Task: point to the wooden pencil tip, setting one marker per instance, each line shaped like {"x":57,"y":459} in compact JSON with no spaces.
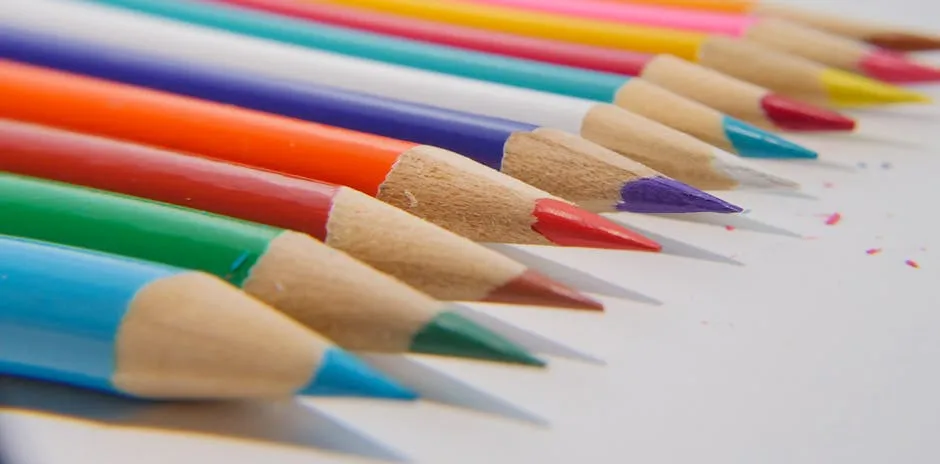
{"x":789,"y":114}
{"x":534,"y":289}
{"x":567,"y":225}
{"x":896,"y":68}
{"x":450,"y":334}
{"x":905,"y":41}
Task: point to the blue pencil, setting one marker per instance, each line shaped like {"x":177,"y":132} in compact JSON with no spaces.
{"x":560,"y":163}
{"x":145,"y":330}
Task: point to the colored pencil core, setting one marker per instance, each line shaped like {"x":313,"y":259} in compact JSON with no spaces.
{"x":752,"y":142}
{"x":847,"y":89}
{"x":343,"y":374}
{"x":664,"y":195}
{"x":533,"y":288}
{"x":904,"y":42}
{"x":450,"y":334}
{"x":894,"y":67}
{"x":567,"y":225}
{"x":790,"y":114}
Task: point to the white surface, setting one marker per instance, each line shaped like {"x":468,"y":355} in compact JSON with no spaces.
{"x":811,"y":351}
{"x":124,"y":28}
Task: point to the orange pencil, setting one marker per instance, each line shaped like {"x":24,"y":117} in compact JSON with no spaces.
{"x":440,"y":186}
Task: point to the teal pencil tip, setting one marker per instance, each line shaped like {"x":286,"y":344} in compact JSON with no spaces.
{"x":753,"y":142}
{"x":342,"y":374}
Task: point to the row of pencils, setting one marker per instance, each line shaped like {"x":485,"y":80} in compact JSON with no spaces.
{"x":219,"y":198}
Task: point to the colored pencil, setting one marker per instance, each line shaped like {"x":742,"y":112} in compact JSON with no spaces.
{"x":429,"y":258}
{"x":440,"y":186}
{"x":881,"y":35}
{"x":606,"y":125}
{"x":783,"y":35}
{"x":323,"y":289}
{"x":793,"y":76}
{"x":563,"y":80}
{"x":738,"y":99}
{"x":140,"y":329}
{"x":558,"y":163}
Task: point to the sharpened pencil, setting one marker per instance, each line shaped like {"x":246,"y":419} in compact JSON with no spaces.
{"x":429,"y":258}
{"x":145,"y":330}
{"x":605,"y":87}
{"x":791,"y":75}
{"x":607,"y":125}
{"x":738,"y":99}
{"x":831,"y":50}
{"x":581,"y":172}
{"x":881,"y":35}
{"x":440,"y":186}
{"x":323,"y":289}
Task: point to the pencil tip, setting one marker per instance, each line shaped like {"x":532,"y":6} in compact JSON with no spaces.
{"x":752,"y":142}
{"x":450,"y":334}
{"x":342,"y":374}
{"x":749,"y":176}
{"x":905,"y":41}
{"x":567,"y":225}
{"x":851,"y":90}
{"x":894,"y":67}
{"x":533,"y":288}
{"x":664,"y":195}
{"x":789,"y":114}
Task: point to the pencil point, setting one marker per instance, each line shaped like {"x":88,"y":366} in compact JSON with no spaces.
{"x":905,"y":42}
{"x":894,"y":67}
{"x":749,"y":176}
{"x":342,"y":374}
{"x":664,"y":195}
{"x":567,"y":225}
{"x":753,"y":142}
{"x":450,"y":334}
{"x":789,"y":114}
{"x":534,"y":289}
{"x":847,"y":89}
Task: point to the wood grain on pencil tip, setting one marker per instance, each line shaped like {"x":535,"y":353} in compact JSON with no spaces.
{"x":579,"y":172}
{"x":324,"y":289}
{"x":562,"y":80}
{"x":738,"y":99}
{"x":443,"y":187}
{"x":778,"y":34}
{"x":875,"y":33}
{"x":791,"y":75}
{"x":429,"y":258}
{"x":146,"y":330}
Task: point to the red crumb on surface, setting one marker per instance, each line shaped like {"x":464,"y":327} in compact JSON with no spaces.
{"x":912,"y":264}
{"x":828,"y":185}
{"x":873,"y":251}
{"x":704,"y":322}
{"x":833,"y":219}
{"x":729,"y":227}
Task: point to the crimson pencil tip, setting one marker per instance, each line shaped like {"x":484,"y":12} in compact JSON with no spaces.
{"x":567,"y":225}
{"x":789,"y":114}
{"x":664,"y":195}
{"x":535,"y":289}
{"x":896,"y":68}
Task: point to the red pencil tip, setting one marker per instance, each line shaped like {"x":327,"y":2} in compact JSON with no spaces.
{"x":567,"y":225}
{"x":789,"y":114}
{"x":896,"y":68}
{"x":905,"y":42}
{"x":535,"y":289}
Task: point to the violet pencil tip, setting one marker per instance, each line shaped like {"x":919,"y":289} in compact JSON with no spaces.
{"x":664,"y":195}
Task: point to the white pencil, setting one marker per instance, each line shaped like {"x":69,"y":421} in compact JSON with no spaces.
{"x":664,"y":149}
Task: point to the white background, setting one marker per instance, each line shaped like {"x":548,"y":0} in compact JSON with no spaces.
{"x":810,"y":351}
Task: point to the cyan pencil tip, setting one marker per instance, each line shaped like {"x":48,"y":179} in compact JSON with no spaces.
{"x":342,"y":374}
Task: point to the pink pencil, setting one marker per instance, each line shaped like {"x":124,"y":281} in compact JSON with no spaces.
{"x":785,"y":36}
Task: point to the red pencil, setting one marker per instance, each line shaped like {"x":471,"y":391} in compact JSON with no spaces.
{"x":737,"y":98}
{"x":438,"y":262}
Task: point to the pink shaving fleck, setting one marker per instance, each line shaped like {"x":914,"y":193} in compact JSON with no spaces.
{"x":833,"y":219}
{"x":828,"y":185}
{"x":729,"y":227}
{"x":873,"y":251}
{"x":912,"y":264}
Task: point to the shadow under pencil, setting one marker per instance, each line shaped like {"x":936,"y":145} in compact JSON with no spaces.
{"x":283,"y":422}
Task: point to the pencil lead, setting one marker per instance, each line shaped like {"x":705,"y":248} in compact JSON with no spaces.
{"x":533,"y":288}
{"x":848,"y":89}
{"x":790,"y":114}
{"x":748,"y":175}
{"x":905,"y":41}
{"x":342,"y":374}
{"x":751,"y":142}
{"x":450,"y":334}
{"x":664,"y":195}
{"x":567,"y":225}
{"x":896,"y":68}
